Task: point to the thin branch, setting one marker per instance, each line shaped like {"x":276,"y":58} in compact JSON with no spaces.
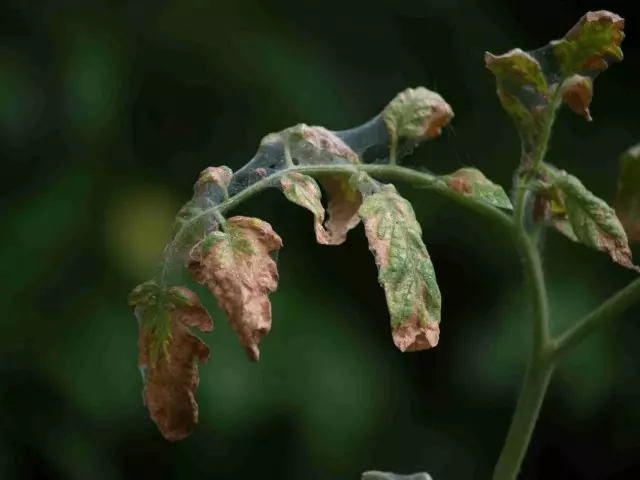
{"x":611,"y":308}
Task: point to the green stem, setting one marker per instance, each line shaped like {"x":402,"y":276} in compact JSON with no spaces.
{"x":393,"y":148}
{"x":611,"y":308}
{"x":534,"y":388}
{"x":540,"y":366}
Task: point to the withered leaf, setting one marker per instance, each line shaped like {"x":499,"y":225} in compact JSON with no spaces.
{"x":313,"y":145}
{"x":627,"y":200}
{"x":591,"y":220}
{"x":591,"y":43}
{"x":577,"y":92}
{"x":405,"y":269}
{"x":471,"y":182}
{"x":344,"y":200}
{"x":168,"y":354}
{"x":237,"y":267}
{"x":304,"y":191}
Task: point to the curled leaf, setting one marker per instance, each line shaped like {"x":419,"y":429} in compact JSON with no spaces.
{"x":577,"y":92}
{"x":627,"y":200}
{"x":344,"y":200}
{"x":519,"y":68}
{"x":304,"y":191}
{"x":471,"y":182}
{"x":591,"y":43}
{"x":416,"y":113}
{"x":317,"y":145}
{"x":405,"y":269}
{"x":170,"y":379}
{"x":591,"y":221}
{"x":221,"y":176}
{"x":237,"y":268}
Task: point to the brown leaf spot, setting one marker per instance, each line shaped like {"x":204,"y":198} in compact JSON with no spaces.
{"x":240,"y":272}
{"x":412,"y":336}
{"x":577,"y":94}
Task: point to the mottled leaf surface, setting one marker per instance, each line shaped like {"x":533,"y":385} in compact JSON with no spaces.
{"x":471,"y":182}
{"x":593,"y":222}
{"x":416,"y":113}
{"x":168,"y":354}
{"x":591,"y":44}
{"x":304,"y":191}
{"x":237,"y":267}
{"x":405,"y":269}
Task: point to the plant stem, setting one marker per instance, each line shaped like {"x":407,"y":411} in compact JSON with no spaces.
{"x":392,"y":172}
{"x":610,"y":308}
{"x":540,"y":368}
{"x":534,"y":388}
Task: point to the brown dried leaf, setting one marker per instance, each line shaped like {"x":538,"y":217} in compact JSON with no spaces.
{"x":577,"y":94}
{"x":342,"y":207}
{"x":170,"y":380}
{"x":237,"y":268}
{"x":169,"y":386}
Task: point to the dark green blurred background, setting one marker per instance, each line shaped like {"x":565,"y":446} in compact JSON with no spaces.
{"x":108,"y":111}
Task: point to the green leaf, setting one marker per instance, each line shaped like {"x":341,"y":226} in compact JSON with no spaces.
{"x":471,"y":182}
{"x":519,"y":69}
{"x":405,"y":269}
{"x":522,"y":89}
{"x":237,"y":267}
{"x":416,"y":113}
{"x":593,"y":222}
{"x":591,"y":43}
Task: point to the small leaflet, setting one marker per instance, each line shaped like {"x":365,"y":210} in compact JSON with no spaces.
{"x":168,"y":354}
{"x":416,"y":113}
{"x":471,"y":182}
{"x":405,"y":269}
{"x":237,"y":267}
{"x":304,"y":191}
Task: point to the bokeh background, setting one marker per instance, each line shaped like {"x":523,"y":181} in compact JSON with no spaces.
{"x":108,"y":111}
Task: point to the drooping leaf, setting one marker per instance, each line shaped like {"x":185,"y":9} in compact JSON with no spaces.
{"x":405,"y":269}
{"x":627,"y":200}
{"x":168,"y":354}
{"x":577,"y":92}
{"x":304,"y":191}
{"x":591,"y":220}
{"x":416,"y":113}
{"x":237,"y":268}
{"x":471,"y":182}
{"x":591,"y":44}
{"x":343,"y":203}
